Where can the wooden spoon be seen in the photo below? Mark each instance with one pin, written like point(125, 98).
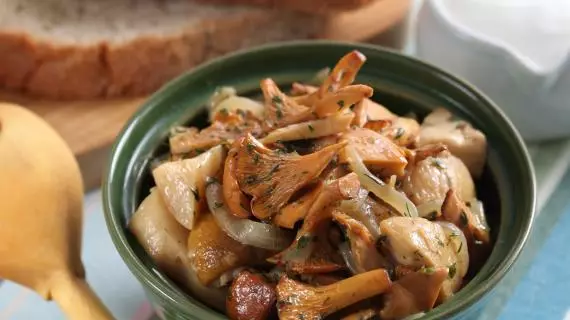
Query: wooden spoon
point(41, 199)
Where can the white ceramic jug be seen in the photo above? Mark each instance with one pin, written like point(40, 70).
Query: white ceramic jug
point(515, 51)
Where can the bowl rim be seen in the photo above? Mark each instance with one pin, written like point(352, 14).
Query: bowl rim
point(136, 266)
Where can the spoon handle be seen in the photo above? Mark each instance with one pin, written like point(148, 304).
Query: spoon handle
point(78, 301)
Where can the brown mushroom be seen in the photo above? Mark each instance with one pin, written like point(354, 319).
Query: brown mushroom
point(272, 177)
point(341, 99)
point(281, 110)
point(343, 74)
point(415, 292)
point(401, 130)
point(298, 209)
point(428, 179)
point(362, 255)
point(235, 199)
point(463, 141)
point(227, 127)
point(477, 234)
point(378, 152)
point(302, 256)
point(250, 297)
point(296, 300)
point(212, 252)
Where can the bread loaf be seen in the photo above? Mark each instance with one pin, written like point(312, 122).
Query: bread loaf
point(70, 49)
point(311, 6)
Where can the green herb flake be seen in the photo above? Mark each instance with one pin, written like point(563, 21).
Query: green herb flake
point(279, 113)
point(399, 133)
point(432, 215)
point(408, 210)
point(251, 179)
point(438, 163)
point(250, 147)
point(463, 219)
point(276, 100)
point(340, 104)
point(460, 247)
point(218, 205)
point(311, 128)
point(304, 241)
point(452, 270)
point(427, 270)
point(224, 112)
point(256, 158)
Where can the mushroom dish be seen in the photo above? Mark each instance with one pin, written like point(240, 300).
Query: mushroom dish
point(316, 202)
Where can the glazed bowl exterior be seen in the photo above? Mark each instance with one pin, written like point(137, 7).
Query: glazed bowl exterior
point(401, 83)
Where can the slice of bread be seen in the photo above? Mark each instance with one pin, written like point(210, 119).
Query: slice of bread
point(311, 6)
point(96, 48)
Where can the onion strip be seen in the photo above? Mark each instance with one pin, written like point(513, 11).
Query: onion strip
point(346, 254)
point(245, 231)
point(391, 196)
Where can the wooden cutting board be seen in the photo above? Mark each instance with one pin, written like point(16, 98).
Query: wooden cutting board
point(90, 127)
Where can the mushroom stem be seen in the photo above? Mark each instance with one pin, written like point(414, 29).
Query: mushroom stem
point(296, 300)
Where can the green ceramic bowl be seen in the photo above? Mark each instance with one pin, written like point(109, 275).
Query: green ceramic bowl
point(401, 83)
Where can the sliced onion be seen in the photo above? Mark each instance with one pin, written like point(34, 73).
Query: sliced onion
point(478, 212)
point(359, 210)
point(245, 231)
point(344, 250)
point(426, 210)
point(391, 196)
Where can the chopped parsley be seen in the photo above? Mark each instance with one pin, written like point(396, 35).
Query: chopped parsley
point(340, 104)
point(218, 204)
point(276, 100)
point(432, 215)
point(427, 270)
point(250, 147)
point(279, 113)
point(304, 241)
point(460, 247)
point(452, 270)
point(311, 128)
point(399, 133)
point(256, 158)
point(224, 112)
point(438, 163)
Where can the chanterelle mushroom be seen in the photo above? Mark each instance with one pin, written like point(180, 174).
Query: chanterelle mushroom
point(182, 183)
point(342, 99)
point(296, 300)
point(420, 243)
point(463, 141)
point(362, 253)
point(311, 252)
point(378, 152)
point(281, 110)
point(429, 179)
point(272, 177)
point(226, 127)
point(415, 292)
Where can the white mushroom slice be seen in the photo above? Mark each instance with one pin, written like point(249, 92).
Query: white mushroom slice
point(428, 180)
point(182, 183)
point(334, 124)
point(462, 140)
point(420, 243)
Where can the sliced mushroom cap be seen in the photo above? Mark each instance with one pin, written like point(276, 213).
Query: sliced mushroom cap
point(182, 183)
point(281, 110)
point(341, 99)
point(328, 126)
point(311, 251)
point(226, 128)
point(298, 209)
point(417, 243)
point(463, 141)
point(378, 152)
point(272, 178)
point(250, 297)
point(478, 238)
point(212, 252)
point(428, 180)
point(362, 255)
point(415, 292)
point(296, 300)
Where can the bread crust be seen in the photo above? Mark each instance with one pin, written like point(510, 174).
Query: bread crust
point(312, 6)
point(141, 66)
